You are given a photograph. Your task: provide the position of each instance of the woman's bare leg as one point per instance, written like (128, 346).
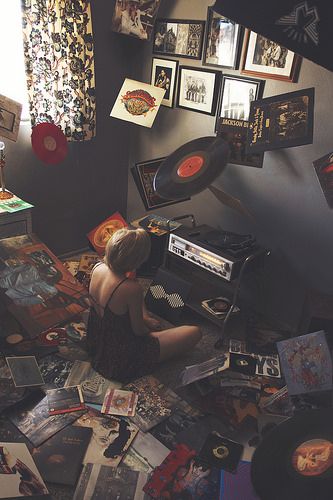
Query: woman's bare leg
(175, 341)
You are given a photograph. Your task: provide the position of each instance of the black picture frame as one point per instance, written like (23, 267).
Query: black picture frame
(171, 72)
(179, 37)
(222, 43)
(238, 86)
(143, 174)
(204, 94)
(281, 121)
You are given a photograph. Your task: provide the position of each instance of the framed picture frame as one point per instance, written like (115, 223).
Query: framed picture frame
(143, 174)
(265, 58)
(132, 18)
(198, 89)
(10, 117)
(178, 37)
(222, 41)
(236, 95)
(164, 75)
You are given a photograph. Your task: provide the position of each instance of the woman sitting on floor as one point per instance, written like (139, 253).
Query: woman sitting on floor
(122, 337)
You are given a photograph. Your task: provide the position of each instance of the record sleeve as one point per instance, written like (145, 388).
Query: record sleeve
(65, 399)
(100, 235)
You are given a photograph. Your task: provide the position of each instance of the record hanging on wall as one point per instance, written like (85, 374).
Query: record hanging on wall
(49, 143)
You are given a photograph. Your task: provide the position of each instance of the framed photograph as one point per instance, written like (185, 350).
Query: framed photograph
(222, 41)
(236, 96)
(164, 75)
(179, 38)
(143, 175)
(198, 89)
(135, 17)
(268, 59)
(281, 121)
(10, 116)
(324, 170)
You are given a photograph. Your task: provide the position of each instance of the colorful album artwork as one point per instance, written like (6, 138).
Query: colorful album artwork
(13, 204)
(145, 453)
(281, 121)
(306, 363)
(118, 402)
(183, 474)
(19, 474)
(100, 235)
(93, 385)
(110, 440)
(138, 103)
(37, 288)
(324, 170)
(144, 175)
(100, 483)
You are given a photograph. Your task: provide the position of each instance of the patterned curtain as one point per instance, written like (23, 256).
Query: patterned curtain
(58, 51)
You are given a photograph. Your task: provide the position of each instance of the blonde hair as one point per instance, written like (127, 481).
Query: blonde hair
(127, 249)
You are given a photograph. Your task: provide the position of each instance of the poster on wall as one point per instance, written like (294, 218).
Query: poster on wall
(10, 116)
(138, 103)
(135, 17)
(281, 121)
(324, 170)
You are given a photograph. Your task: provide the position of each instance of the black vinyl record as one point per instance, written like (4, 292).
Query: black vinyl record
(191, 168)
(295, 460)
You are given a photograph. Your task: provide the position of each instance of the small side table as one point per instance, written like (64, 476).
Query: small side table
(15, 223)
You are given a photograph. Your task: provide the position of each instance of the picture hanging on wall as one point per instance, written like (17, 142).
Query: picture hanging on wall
(268, 59)
(222, 41)
(198, 89)
(10, 116)
(324, 170)
(235, 133)
(164, 75)
(138, 103)
(281, 121)
(135, 17)
(143, 175)
(179, 38)
(236, 96)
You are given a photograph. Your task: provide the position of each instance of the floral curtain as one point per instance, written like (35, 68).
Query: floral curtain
(59, 59)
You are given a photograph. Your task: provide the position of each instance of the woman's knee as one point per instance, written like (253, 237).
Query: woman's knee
(195, 333)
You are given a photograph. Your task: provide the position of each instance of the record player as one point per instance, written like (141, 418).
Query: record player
(219, 252)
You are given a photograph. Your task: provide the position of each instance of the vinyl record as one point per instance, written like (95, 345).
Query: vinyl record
(295, 460)
(49, 143)
(191, 168)
(53, 336)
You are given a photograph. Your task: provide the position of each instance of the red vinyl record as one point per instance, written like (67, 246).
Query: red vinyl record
(53, 336)
(49, 143)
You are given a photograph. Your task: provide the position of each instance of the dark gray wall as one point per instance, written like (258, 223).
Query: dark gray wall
(73, 197)
(284, 196)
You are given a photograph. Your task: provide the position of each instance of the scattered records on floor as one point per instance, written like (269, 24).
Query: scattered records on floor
(295, 460)
(221, 452)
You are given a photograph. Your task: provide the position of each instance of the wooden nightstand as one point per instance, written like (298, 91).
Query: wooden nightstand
(15, 223)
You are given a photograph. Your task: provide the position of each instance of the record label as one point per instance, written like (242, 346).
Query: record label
(190, 166)
(313, 457)
(53, 336)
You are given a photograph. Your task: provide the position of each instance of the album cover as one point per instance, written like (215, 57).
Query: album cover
(218, 307)
(155, 402)
(145, 453)
(100, 483)
(144, 175)
(25, 371)
(118, 402)
(9, 394)
(100, 235)
(183, 474)
(20, 477)
(138, 103)
(268, 366)
(65, 399)
(36, 287)
(76, 330)
(72, 266)
(194, 437)
(238, 485)
(281, 121)
(324, 170)
(14, 204)
(278, 403)
(183, 417)
(306, 363)
(221, 452)
(55, 370)
(93, 385)
(158, 225)
(53, 336)
(205, 369)
(110, 440)
(243, 363)
(235, 133)
(60, 458)
(32, 418)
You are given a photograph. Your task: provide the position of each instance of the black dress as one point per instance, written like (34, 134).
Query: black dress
(116, 352)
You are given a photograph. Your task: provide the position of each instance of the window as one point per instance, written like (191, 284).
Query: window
(12, 73)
